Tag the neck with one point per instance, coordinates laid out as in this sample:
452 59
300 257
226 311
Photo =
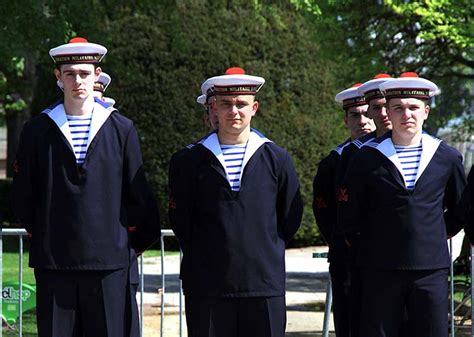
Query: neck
78 107
233 138
380 132
406 141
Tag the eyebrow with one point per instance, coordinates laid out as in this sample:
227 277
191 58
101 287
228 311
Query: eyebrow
77 71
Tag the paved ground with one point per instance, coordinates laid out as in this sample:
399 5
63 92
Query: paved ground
306 293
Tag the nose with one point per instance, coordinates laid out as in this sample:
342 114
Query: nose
363 120
406 114
77 79
234 110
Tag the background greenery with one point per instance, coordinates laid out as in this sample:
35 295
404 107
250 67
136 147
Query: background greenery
161 51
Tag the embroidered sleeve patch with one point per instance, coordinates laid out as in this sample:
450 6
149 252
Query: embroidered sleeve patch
16 167
320 203
171 202
342 195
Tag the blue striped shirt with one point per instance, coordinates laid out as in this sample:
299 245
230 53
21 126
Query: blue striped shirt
79 127
234 157
409 157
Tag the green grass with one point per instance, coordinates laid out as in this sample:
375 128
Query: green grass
11 267
157 253
29 326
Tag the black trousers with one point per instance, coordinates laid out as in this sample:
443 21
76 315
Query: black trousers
235 317
341 305
83 303
422 293
134 282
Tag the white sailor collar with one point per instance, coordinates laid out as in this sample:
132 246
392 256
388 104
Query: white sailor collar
99 116
429 146
341 146
256 140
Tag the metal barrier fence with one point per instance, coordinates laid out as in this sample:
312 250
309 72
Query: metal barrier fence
20 232
164 233
169 233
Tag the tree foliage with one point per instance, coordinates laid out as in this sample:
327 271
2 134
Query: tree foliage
433 38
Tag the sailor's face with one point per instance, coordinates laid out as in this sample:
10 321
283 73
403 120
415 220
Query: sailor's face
378 112
407 115
234 113
358 122
77 79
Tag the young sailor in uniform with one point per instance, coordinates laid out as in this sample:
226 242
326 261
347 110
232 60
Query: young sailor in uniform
324 204
234 204
403 200
80 190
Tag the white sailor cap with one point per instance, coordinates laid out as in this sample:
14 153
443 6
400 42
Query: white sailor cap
202 99
109 100
78 50
409 84
350 97
233 82
370 89
103 82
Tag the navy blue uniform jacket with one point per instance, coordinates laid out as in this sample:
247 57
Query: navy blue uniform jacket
83 217
404 229
324 200
233 243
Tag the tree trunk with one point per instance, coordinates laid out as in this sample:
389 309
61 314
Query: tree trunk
15 122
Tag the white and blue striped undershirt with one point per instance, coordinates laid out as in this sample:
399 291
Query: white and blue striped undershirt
234 157
79 127
409 157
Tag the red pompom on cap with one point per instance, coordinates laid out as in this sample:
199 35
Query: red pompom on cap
409 74
78 40
382 75
235 71
356 85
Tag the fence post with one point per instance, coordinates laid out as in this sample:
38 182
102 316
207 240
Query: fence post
472 293
327 308
451 286
162 251
20 297
1 279
142 282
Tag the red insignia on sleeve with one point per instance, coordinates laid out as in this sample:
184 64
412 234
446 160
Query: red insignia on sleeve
319 202
16 167
171 203
132 229
342 195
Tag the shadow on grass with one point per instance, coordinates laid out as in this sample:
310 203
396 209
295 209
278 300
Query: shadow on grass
29 326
